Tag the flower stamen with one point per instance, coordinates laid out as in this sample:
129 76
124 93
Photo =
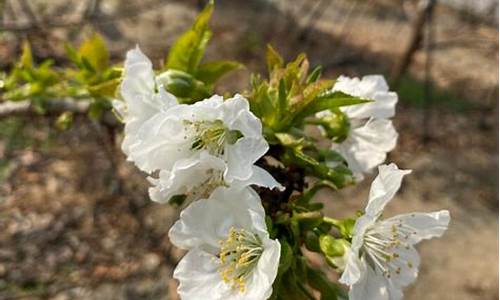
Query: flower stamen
238 255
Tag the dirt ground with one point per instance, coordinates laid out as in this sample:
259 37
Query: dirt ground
69 229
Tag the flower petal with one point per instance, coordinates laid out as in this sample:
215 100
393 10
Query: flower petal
260 285
261 177
242 155
160 142
199 278
366 147
384 187
191 177
353 269
207 221
373 87
374 287
424 225
237 116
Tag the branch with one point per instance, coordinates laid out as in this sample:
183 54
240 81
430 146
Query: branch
52 108
130 12
426 8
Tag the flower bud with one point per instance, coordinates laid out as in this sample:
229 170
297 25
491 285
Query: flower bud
183 85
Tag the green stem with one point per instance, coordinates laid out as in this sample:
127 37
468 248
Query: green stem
332 221
305 291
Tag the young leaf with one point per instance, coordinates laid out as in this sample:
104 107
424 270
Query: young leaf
274 60
96 53
328 100
210 72
26 56
188 50
314 76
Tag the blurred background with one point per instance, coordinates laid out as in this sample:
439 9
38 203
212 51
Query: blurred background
75 218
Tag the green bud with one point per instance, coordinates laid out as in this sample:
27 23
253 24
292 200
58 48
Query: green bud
183 85
336 126
331 246
312 242
346 228
64 121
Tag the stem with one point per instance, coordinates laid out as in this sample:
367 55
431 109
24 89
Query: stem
305 291
332 221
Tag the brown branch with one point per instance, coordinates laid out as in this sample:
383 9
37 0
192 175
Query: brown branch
86 18
415 42
52 108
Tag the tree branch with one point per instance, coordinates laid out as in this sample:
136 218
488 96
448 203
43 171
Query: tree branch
52 108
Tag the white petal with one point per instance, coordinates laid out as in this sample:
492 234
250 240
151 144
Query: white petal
424 225
366 147
205 222
354 268
187 177
199 278
237 116
384 187
261 177
407 264
139 75
242 155
370 286
373 87
160 142
138 88
260 285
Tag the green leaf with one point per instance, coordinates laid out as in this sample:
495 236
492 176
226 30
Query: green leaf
282 98
188 50
73 55
339 177
274 60
95 52
327 101
314 76
210 72
286 257
312 242
331 100
26 60
105 89
310 193
288 140
328 289
64 120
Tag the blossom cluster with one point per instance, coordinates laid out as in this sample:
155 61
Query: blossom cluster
206 153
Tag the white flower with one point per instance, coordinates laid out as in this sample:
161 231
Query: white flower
230 254
201 146
143 96
382 259
188 149
373 87
371 133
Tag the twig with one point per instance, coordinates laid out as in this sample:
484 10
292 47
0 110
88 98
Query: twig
52 108
428 76
25 107
130 12
415 41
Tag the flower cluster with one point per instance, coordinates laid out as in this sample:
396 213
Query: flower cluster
205 151
237 167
